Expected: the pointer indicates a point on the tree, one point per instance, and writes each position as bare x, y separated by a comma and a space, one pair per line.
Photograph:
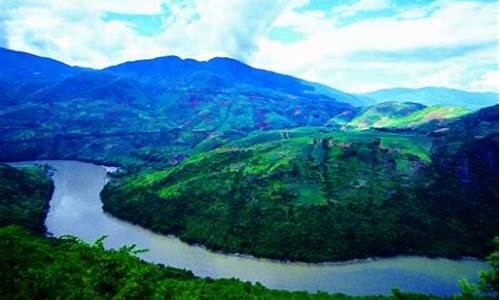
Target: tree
488, 280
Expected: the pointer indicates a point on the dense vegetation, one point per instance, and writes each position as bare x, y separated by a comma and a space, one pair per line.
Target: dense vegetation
403, 115
67, 268
147, 112
488, 280
314, 195
238, 158
24, 197
34, 267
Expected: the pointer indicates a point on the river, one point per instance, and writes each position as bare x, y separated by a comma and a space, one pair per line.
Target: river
76, 209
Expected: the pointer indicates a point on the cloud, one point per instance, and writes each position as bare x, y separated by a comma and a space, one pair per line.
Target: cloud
347, 10
210, 28
364, 45
487, 82
78, 32
331, 51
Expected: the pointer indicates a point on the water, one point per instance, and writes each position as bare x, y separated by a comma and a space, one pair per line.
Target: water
76, 209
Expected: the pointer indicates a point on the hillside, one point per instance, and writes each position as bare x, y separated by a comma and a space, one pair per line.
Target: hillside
24, 197
154, 110
403, 115
22, 73
238, 158
465, 161
37, 268
433, 96
326, 196
34, 267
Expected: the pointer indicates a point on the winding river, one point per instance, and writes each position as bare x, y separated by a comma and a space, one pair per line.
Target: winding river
76, 209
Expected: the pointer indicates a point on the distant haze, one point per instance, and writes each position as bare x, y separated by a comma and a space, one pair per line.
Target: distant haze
433, 96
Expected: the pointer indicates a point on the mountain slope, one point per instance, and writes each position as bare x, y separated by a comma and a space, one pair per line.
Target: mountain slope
433, 96
68, 268
24, 197
300, 198
402, 115
220, 72
311, 194
167, 103
379, 115
465, 167
22, 73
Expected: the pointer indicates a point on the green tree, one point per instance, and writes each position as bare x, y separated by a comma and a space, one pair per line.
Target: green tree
488, 280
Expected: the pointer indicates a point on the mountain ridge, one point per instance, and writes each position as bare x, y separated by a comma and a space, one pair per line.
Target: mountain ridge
433, 95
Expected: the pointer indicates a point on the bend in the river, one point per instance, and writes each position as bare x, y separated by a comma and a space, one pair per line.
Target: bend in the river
76, 209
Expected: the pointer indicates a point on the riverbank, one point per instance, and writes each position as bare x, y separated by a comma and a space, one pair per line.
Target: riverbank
69, 268
76, 209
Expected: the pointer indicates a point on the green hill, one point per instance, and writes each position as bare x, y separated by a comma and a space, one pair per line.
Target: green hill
403, 115
314, 194
24, 197
380, 114
333, 196
38, 268
34, 267
148, 110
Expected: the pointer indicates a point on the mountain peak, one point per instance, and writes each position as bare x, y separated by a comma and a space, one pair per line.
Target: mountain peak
225, 59
228, 63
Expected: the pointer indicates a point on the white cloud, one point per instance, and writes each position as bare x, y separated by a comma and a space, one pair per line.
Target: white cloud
210, 28
326, 54
81, 38
74, 32
347, 10
488, 82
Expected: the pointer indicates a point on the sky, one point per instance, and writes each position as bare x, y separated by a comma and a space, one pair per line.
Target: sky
353, 45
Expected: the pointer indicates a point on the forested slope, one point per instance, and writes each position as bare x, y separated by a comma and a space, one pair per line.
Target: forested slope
314, 195
24, 196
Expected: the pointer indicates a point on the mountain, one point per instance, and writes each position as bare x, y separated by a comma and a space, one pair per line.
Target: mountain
100, 273
240, 160
433, 96
403, 115
314, 194
300, 194
21, 66
24, 197
465, 176
35, 266
125, 113
22, 73
378, 115
219, 73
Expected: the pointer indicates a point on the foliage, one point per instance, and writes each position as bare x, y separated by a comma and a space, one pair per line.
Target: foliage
488, 282
300, 195
406, 115
315, 194
147, 112
24, 196
67, 268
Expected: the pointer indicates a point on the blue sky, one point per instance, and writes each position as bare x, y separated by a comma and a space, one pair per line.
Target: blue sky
354, 45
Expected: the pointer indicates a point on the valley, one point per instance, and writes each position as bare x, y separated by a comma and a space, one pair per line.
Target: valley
260, 176
75, 209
